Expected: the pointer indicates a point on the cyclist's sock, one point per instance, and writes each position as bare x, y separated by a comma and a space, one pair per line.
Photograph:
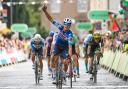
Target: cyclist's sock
64, 74
98, 62
49, 69
54, 72
75, 68
78, 71
86, 66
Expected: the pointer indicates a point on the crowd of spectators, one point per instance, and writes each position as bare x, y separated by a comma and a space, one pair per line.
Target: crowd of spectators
116, 40
7, 44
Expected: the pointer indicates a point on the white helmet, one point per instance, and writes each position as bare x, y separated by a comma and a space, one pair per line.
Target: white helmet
37, 37
67, 21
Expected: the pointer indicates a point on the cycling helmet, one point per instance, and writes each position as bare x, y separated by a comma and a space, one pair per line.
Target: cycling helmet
67, 21
37, 38
51, 33
97, 36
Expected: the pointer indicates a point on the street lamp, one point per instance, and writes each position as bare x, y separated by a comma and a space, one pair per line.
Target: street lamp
11, 12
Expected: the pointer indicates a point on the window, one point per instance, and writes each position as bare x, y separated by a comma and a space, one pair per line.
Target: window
82, 5
55, 7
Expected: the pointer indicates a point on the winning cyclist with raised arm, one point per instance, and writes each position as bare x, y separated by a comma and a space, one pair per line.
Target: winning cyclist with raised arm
63, 44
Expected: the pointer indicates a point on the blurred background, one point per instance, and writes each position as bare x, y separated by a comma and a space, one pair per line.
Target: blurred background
29, 12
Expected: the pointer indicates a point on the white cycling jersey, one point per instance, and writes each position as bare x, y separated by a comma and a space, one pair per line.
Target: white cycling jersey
87, 39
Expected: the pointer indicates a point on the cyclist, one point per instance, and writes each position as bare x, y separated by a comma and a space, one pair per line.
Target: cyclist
49, 40
63, 44
126, 43
95, 44
87, 39
37, 44
54, 40
75, 54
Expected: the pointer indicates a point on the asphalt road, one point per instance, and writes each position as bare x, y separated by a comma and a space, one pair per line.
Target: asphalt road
21, 76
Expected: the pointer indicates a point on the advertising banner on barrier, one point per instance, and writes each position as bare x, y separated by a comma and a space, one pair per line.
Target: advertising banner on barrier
11, 56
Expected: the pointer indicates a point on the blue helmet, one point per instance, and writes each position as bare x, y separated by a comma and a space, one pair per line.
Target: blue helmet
67, 21
51, 33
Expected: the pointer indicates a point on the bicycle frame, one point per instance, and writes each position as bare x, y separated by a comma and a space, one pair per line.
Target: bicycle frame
59, 77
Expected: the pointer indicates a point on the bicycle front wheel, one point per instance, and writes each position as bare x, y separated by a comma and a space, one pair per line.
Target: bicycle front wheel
71, 74
36, 73
95, 72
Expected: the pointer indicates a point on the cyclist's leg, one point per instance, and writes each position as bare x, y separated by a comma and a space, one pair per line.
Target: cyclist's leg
64, 55
40, 51
48, 57
91, 57
54, 61
99, 55
33, 56
86, 58
78, 71
65, 62
74, 56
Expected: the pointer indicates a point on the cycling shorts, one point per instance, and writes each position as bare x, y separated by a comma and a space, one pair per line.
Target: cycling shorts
40, 51
48, 52
59, 51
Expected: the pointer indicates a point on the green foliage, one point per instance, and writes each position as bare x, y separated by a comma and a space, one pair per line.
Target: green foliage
43, 32
122, 12
34, 17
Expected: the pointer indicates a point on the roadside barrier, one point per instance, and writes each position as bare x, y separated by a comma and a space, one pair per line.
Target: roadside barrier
115, 62
11, 56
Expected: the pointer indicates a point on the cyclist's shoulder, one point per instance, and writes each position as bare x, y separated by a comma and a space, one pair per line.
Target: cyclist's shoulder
47, 39
32, 40
42, 40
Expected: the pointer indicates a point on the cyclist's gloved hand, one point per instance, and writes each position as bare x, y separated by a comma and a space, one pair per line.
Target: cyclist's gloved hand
44, 8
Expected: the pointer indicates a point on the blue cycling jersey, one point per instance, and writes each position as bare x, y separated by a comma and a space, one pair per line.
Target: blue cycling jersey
49, 41
64, 39
37, 45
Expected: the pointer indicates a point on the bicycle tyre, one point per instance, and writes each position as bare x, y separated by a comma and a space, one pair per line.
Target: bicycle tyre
36, 73
60, 82
95, 72
71, 74
57, 77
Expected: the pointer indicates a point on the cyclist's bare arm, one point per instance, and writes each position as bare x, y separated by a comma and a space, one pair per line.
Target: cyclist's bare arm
47, 14
77, 49
70, 51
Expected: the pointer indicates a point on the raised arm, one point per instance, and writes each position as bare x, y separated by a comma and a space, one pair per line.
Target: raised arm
47, 14
55, 23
